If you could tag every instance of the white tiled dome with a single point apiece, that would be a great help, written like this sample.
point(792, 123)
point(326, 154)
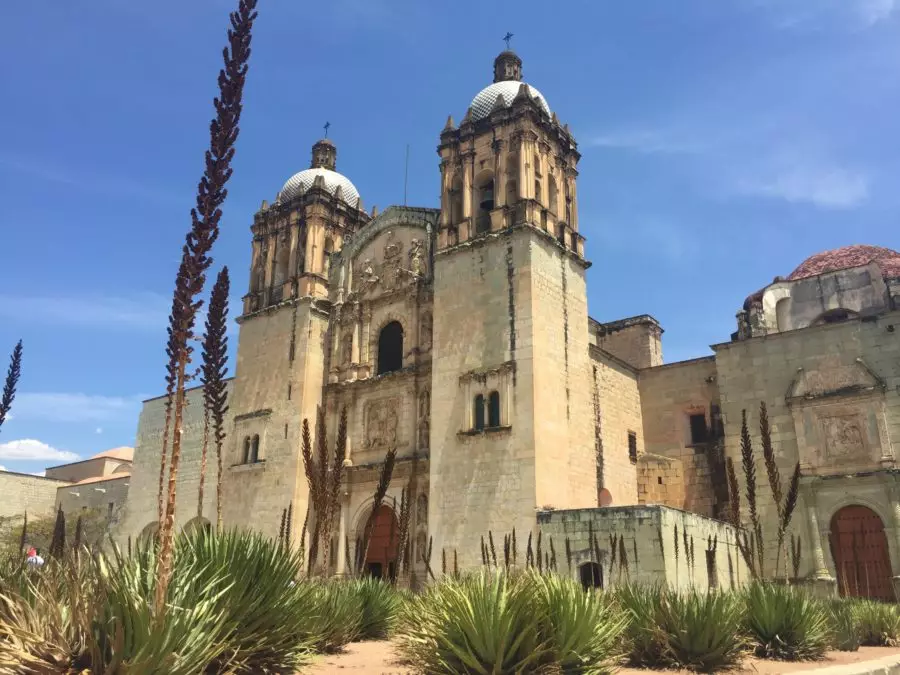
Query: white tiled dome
point(301, 182)
point(484, 102)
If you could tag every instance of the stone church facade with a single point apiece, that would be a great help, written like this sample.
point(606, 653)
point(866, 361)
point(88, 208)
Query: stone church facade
point(460, 336)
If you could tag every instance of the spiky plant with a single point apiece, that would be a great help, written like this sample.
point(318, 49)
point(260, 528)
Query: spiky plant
point(24, 536)
point(493, 550)
point(79, 533)
point(281, 529)
point(215, 394)
point(796, 553)
point(333, 487)
point(13, 373)
point(402, 553)
point(748, 462)
point(734, 495)
point(444, 562)
point(384, 482)
point(58, 542)
point(785, 622)
point(195, 262)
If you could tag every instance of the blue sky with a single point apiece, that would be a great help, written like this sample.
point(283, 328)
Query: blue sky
point(722, 141)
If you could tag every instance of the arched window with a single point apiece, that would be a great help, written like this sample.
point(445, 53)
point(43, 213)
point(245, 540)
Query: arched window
point(591, 574)
point(452, 236)
point(326, 256)
point(478, 413)
point(553, 196)
point(485, 202)
point(390, 348)
point(537, 190)
point(245, 458)
point(254, 450)
point(494, 409)
point(456, 200)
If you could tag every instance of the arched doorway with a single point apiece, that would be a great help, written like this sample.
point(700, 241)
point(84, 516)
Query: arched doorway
point(591, 575)
point(390, 348)
point(382, 554)
point(860, 551)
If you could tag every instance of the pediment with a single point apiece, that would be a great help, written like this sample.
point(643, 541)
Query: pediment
point(833, 380)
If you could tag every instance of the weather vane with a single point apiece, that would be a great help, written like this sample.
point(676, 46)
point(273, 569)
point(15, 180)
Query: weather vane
point(327, 125)
point(507, 38)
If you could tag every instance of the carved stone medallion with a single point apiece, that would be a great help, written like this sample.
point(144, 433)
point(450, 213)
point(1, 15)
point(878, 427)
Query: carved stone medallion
point(844, 437)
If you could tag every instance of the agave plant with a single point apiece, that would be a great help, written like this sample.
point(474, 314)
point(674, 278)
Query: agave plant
point(703, 630)
point(380, 605)
point(879, 623)
point(645, 640)
point(486, 622)
point(785, 622)
point(581, 630)
point(844, 625)
point(339, 610)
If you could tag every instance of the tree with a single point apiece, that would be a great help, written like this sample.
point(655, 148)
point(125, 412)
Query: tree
point(215, 395)
point(12, 379)
point(195, 262)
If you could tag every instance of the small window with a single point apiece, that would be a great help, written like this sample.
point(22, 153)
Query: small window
point(390, 348)
point(246, 456)
point(494, 409)
point(698, 428)
point(109, 509)
point(659, 480)
point(632, 447)
point(285, 430)
point(254, 450)
point(478, 413)
point(289, 391)
point(591, 576)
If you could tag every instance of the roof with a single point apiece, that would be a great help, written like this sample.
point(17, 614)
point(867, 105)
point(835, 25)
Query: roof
point(123, 453)
point(102, 479)
point(836, 259)
point(486, 99)
point(332, 180)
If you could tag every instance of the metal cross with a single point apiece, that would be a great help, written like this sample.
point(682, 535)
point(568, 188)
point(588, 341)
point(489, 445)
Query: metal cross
point(327, 125)
point(507, 38)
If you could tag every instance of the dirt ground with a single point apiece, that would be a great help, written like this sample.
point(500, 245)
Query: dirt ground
point(379, 658)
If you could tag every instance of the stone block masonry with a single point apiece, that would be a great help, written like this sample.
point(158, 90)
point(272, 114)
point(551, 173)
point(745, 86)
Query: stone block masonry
point(22, 492)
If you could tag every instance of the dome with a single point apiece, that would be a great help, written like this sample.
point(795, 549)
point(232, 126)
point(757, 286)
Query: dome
point(484, 101)
point(303, 181)
point(846, 257)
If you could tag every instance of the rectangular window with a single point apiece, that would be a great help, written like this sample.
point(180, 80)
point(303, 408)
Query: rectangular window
point(698, 428)
point(110, 509)
point(632, 447)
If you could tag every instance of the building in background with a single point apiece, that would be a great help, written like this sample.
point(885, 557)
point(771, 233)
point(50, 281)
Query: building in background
point(459, 335)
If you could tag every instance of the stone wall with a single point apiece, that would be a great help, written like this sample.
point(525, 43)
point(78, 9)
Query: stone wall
point(617, 414)
point(108, 495)
point(140, 510)
point(833, 405)
point(22, 492)
point(669, 395)
point(636, 340)
point(660, 480)
point(652, 555)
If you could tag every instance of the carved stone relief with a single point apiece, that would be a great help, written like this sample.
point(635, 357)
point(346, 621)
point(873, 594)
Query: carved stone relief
point(844, 437)
point(346, 350)
point(424, 418)
point(381, 423)
point(417, 258)
point(425, 328)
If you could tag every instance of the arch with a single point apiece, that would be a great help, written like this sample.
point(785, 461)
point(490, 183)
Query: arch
point(836, 315)
point(591, 575)
point(196, 524)
point(456, 199)
point(382, 554)
point(254, 450)
point(390, 348)
point(860, 552)
point(478, 413)
point(493, 409)
point(484, 183)
point(149, 532)
point(553, 195)
point(327, 250)
point(245, 456)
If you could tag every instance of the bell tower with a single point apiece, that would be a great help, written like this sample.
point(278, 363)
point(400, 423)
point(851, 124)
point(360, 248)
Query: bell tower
point(511, 428)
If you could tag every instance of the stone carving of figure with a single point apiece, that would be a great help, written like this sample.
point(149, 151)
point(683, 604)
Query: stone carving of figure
point(346, 350)
point(425, 331)
point(420, 546)
point(381, 426)
point(367, 276)
point(424, 430)
point(416, 258)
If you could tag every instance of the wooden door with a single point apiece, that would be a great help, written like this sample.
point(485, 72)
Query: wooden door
point(383, 545)
point(860, 550)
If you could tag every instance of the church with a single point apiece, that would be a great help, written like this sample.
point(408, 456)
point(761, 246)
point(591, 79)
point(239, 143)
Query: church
point(459, 336)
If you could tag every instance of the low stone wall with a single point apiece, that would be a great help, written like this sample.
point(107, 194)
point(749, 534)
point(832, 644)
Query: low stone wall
point(661, 545)
point(23, 492)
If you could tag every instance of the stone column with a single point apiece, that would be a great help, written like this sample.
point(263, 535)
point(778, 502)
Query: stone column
point(822, 581)
point(295, 240)
point(342, 535)
point(894, 496)
point(523, 179)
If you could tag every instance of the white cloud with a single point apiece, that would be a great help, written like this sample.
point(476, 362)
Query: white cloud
point(99, 431)
point(820, 14)
point(649, 142)
point(30, 449)
point(825, 186)
point(42, 474)
point(2, 468)
point(145, 311)
point(75, 407)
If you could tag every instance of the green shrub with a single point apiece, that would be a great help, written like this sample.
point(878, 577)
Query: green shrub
point(485, 622)
point(381, 604)
point(844, 625)
point(785, 622)
point(879, 623)
point(339, 609)
point(581, 629)
point(645, 641)
point(703, 631)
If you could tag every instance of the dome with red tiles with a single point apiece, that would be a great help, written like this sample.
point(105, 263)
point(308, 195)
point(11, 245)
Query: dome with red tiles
point(847, 257)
